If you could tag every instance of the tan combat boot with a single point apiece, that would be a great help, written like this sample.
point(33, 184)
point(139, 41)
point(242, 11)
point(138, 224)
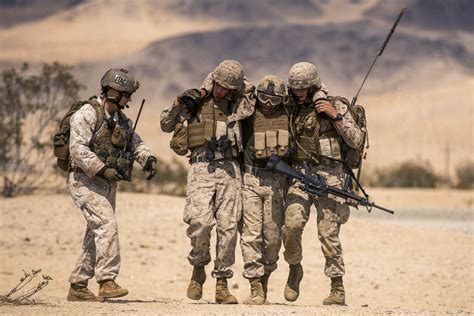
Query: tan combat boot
point(337, 296)
point(292, 287)
point(257, 296)
point(197, 280)
point(223, 295)
point(265, 278)
point(110, 289)
point(79, 293)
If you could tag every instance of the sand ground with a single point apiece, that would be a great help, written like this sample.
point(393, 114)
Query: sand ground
point(418, 261)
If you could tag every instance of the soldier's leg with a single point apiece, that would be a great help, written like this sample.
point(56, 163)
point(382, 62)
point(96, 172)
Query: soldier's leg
point(199, 212)
point(296, 217)
point(331, 215)
point(297, 212)
point(251, 237)
point(96, 197)
point(228, 214)
point(273, 216)
point(199, 215)
point(84, 269)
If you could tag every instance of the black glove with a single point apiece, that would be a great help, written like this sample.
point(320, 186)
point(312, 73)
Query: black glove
point(192, 99)
point(150, 167)
point(110, 174)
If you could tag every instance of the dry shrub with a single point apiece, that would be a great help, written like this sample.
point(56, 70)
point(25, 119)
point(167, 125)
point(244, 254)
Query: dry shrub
point(465, 175)
point(408, 174)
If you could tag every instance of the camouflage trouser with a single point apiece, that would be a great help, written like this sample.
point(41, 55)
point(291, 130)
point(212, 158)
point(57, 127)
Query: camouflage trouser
point(331, 215)
point(213, 197)
point(262, 218)
point(100, 249)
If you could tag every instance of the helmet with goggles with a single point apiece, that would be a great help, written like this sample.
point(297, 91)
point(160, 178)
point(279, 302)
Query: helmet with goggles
point(271, 89)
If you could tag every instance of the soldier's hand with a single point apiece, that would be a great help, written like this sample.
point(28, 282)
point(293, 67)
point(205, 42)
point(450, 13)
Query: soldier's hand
point(191, 98)
point(150, 167)
point(111, 174)
point(324, 106)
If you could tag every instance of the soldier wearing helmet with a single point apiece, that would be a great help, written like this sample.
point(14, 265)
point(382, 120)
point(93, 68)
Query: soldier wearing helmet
point(206, 123)
point(101, 139)
point(318, 128)
point(263, 194)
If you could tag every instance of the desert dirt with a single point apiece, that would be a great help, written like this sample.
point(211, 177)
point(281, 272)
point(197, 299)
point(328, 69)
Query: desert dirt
point(419, 260)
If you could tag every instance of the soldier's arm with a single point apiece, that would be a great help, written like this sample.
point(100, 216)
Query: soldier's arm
point(347, 127)
point(207, 84)
point(82, 127)
point(245, 103)
point(170, 117)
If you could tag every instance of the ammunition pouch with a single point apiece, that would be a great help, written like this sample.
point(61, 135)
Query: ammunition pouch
point(123, 163)
point(120, 136)
point(179, 141)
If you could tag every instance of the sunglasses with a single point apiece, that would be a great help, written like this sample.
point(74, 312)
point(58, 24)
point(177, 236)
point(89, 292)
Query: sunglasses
point(273, 99)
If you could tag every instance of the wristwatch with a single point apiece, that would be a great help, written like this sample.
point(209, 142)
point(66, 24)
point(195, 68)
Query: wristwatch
point(338, 117)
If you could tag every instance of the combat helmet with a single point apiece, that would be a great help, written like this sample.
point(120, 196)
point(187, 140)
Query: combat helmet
point(271, 88)
point(229, 74)
point(303, 75)
point(120, 80)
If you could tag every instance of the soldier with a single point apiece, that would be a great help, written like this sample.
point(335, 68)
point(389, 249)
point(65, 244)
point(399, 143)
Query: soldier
point(318, 128)
point(213, 135)
point(100, 134)
point(265, 133)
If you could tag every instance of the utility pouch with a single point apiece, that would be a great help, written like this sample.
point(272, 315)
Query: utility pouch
point(120, 136)
point(179, 141)
point(330, 147)
point(283, 140)
point(124, 167)
point(259, 140)
point(271, 142)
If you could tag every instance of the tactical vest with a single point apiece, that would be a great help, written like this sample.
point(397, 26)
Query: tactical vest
point(315, 135)
point(201, 129)
point(110, 144)
point(271, 134)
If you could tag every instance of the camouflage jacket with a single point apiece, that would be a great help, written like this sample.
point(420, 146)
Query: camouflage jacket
point(82, 127)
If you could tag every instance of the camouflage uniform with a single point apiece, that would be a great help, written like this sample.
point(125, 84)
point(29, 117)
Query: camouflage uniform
point(213, 195)
point(95, 196)
point(331, 212)
point(264, 191)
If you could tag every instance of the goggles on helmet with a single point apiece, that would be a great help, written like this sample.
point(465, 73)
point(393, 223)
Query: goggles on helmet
point(273, 99)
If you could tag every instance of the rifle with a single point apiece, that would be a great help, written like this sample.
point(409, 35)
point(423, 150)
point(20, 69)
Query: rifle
point(317, 185)
point(126, 158)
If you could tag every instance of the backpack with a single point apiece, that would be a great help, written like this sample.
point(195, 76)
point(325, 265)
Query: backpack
point(61, 138)
point(353, 156)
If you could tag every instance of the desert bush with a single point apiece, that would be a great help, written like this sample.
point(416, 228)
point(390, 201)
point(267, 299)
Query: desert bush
point(406, 174)
point(465, 175)
point(29, 108)
point(15, 297)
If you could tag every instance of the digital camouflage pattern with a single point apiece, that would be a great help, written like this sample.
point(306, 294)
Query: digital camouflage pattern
point(229, 74)
point(262, 219)
point(95, 196)
point(213, 197)
point(332, 213)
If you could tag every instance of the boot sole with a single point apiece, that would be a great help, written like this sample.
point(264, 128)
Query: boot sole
point(113, 295)
point(75, 299)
